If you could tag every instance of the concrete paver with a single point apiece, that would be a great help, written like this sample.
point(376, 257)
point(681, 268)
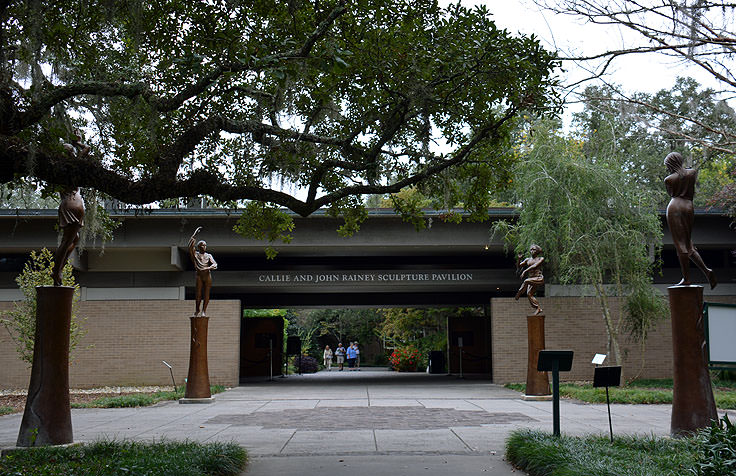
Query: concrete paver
point(367, 422)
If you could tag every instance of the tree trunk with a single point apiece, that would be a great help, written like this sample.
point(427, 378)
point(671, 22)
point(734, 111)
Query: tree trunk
point(610, 328)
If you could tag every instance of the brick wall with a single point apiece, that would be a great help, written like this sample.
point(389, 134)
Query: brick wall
point(575, 323)
point(131, 338)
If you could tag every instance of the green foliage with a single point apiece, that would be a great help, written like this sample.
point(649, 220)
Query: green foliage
point(248, 313)
point(21, 320)
point(6, 410)
point(261, 221)
point(320, 327)
point(409, 203)
point(24, 194)
point(595, 225)
point(98, 224)
point(542, 454)
point(726, 197)
point(644, 307)
point(113, 458)
point(425, 329)
point(405, 358)
point(636, 392)
point(302, 105)
point(716, 446)
point(643, 128)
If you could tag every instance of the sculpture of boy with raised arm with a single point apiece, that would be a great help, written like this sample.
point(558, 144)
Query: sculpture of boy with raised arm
point(203, 264)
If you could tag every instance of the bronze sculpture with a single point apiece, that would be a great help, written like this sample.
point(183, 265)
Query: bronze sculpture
point(680, 186)
point(535, 279)
point(203, 264)
point(71, 211)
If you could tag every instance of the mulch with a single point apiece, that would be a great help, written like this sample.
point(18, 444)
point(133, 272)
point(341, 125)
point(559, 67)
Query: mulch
point(18, 402)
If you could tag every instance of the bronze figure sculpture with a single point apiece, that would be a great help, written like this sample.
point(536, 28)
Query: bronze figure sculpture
point(533, 271)
point(71, 212)
point(680, 186)
point(203, 264)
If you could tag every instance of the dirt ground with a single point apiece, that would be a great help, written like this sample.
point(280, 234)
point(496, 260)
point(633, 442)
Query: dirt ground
point(18, 402)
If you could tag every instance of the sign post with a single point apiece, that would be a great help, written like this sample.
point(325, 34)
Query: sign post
point(607, 377)
point(555, 361)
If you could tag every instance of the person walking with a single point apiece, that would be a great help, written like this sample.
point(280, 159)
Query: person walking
point(340, 354)
point(351, 356)
point(327, 358)
point(357, 356)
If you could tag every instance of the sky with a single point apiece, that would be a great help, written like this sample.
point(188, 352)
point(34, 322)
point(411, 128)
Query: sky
point(645, 72)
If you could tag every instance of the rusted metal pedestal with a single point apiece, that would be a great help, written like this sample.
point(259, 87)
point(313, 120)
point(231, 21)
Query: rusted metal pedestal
point(537, 383)
point(198, 379)
point(693, 406)
point(47, 419)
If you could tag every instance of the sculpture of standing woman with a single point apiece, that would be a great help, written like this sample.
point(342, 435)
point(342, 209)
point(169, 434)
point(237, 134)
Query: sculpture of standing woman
point(203, 264)
point(71, 212)
point(535, 279)
point(680, 186)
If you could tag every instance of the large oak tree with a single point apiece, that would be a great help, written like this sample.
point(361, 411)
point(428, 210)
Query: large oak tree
point(299, 104)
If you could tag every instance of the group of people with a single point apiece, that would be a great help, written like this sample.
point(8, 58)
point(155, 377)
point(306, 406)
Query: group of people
point(351, 354)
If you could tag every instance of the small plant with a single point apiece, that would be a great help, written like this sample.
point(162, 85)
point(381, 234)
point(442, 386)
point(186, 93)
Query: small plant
point(716, 447)
point(21, 321)
point(405, 359)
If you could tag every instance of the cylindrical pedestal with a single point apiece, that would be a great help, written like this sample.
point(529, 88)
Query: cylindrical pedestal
point(47, 419)
point(693, 406)
point(537, 383)
point(198, 379)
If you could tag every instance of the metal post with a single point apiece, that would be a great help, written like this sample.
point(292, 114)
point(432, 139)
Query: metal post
point(270, 359)
point(556, 398)
point(447, 329)
point(610, 425)
point(171, 372)
point(460, 345)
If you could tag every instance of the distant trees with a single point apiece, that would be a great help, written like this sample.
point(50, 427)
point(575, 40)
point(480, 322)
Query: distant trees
point(641, 129)
point(696, 32)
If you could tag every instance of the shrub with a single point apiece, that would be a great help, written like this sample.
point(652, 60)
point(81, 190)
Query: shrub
point(716, 447)
point(405, 359)
point(114, 458)
point(307, 364)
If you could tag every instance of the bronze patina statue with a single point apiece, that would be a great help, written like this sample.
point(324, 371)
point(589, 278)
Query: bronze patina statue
point(203, 264)
point(680, 186)
point(71, 211)
point(533, 270)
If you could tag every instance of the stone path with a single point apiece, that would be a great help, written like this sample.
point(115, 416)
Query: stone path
point(367, 422)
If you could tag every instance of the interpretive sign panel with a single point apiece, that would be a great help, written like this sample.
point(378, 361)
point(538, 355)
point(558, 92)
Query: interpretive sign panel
point(720, 327)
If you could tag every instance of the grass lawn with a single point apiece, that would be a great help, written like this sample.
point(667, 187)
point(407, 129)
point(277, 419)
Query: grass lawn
point(541, 454)
point(114, 458)
point(639, 391)
point(140, 400)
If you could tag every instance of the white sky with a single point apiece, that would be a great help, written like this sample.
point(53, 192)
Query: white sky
point(643, 72)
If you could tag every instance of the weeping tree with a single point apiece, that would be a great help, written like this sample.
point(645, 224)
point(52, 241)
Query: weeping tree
point(299, 105)
point(597, 227)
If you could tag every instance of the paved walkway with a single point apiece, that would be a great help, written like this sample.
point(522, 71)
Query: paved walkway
point(365, 423)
